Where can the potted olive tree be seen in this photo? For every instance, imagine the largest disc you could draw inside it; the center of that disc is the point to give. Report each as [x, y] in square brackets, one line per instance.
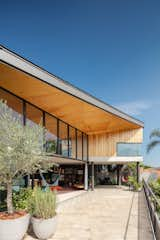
[21, 153]
[42, 207]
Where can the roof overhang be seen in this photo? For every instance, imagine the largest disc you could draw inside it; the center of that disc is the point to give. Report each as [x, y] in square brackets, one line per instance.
[60, 98]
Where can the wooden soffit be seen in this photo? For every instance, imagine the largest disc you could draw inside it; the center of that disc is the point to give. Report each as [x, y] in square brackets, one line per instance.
[76, 112]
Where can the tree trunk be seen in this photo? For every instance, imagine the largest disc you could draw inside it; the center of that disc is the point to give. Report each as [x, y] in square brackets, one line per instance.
[9, 198]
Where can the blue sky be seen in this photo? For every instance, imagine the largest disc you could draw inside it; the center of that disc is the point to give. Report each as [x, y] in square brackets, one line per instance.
[110, 48]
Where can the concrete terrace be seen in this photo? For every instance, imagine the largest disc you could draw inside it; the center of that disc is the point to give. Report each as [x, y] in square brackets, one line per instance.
[106, 213]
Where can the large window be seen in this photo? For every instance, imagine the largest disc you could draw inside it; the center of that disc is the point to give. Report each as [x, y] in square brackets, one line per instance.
[14, 103]
[129, 149]
[85, 147]
[72, 142]
[51, 134]
[60, 137]
[79, 144]
[33, 115]
[63, 139]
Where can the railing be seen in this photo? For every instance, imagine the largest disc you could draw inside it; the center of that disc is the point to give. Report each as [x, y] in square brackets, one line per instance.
[154, 209]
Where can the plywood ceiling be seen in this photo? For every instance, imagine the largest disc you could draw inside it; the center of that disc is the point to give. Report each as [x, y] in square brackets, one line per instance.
[70, 109]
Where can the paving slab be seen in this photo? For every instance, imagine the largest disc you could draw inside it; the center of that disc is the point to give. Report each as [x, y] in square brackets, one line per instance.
[103, 214]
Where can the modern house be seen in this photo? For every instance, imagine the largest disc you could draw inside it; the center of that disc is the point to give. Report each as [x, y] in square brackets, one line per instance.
[86, 136]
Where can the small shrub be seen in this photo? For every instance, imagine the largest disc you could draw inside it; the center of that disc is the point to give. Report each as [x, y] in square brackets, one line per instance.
[158, 180]
[43, 203]
[21, 198]
[133, 182]
[155, 186]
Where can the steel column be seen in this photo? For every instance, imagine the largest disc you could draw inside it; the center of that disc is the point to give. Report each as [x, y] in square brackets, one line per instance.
[86, 176]
[92, 177]
[137, 167]
[117, 174]
[24, 112]
[68, 139]
[76, 144]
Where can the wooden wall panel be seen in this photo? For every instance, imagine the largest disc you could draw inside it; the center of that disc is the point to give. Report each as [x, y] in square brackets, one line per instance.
[105, 144]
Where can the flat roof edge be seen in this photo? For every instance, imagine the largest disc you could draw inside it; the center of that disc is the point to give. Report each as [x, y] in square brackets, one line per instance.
[26, 66]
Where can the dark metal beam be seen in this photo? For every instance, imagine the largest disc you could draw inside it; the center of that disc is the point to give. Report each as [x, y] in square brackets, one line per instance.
[32, 182]
[24, 112]
[92, 176]
[82, 147]
[68, 139]
[76, 144]
[44, 119]
[57, 150]
[118, 174]
[87, 148]
[137, 167]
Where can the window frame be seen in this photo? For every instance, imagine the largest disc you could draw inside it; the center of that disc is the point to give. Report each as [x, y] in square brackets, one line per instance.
[43, 117]
[128, 143]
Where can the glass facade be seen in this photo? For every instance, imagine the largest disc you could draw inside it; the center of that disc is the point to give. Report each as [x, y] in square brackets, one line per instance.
[51, 134]
[129, 149]
[33, 115]
[61, 138]
[13, 102]
[72, 142]
[79, 145]
[85, 146]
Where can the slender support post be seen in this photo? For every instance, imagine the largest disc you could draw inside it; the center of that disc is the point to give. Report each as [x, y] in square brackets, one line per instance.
[44, 119]
[24, 124]
[24, 113]
[117, 174]
[57, 150]
[68, 139]
[92, 179]
[137, 166]
[86, 176]
[87, 148]
[82, 146]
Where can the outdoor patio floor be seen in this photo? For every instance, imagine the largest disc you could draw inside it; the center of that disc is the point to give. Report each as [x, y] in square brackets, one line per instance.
[106, 213]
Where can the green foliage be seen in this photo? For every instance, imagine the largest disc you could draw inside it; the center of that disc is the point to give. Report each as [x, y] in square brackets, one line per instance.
[21, 149]
[158, 181]
[21, 198]
[132, 169]
[133, 182]
[155, 136]
[50, 146]
[43, 203]
[155, 186]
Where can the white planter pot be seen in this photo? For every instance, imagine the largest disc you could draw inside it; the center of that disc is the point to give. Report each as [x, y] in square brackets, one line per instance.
[14, 229]
[44, 228]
